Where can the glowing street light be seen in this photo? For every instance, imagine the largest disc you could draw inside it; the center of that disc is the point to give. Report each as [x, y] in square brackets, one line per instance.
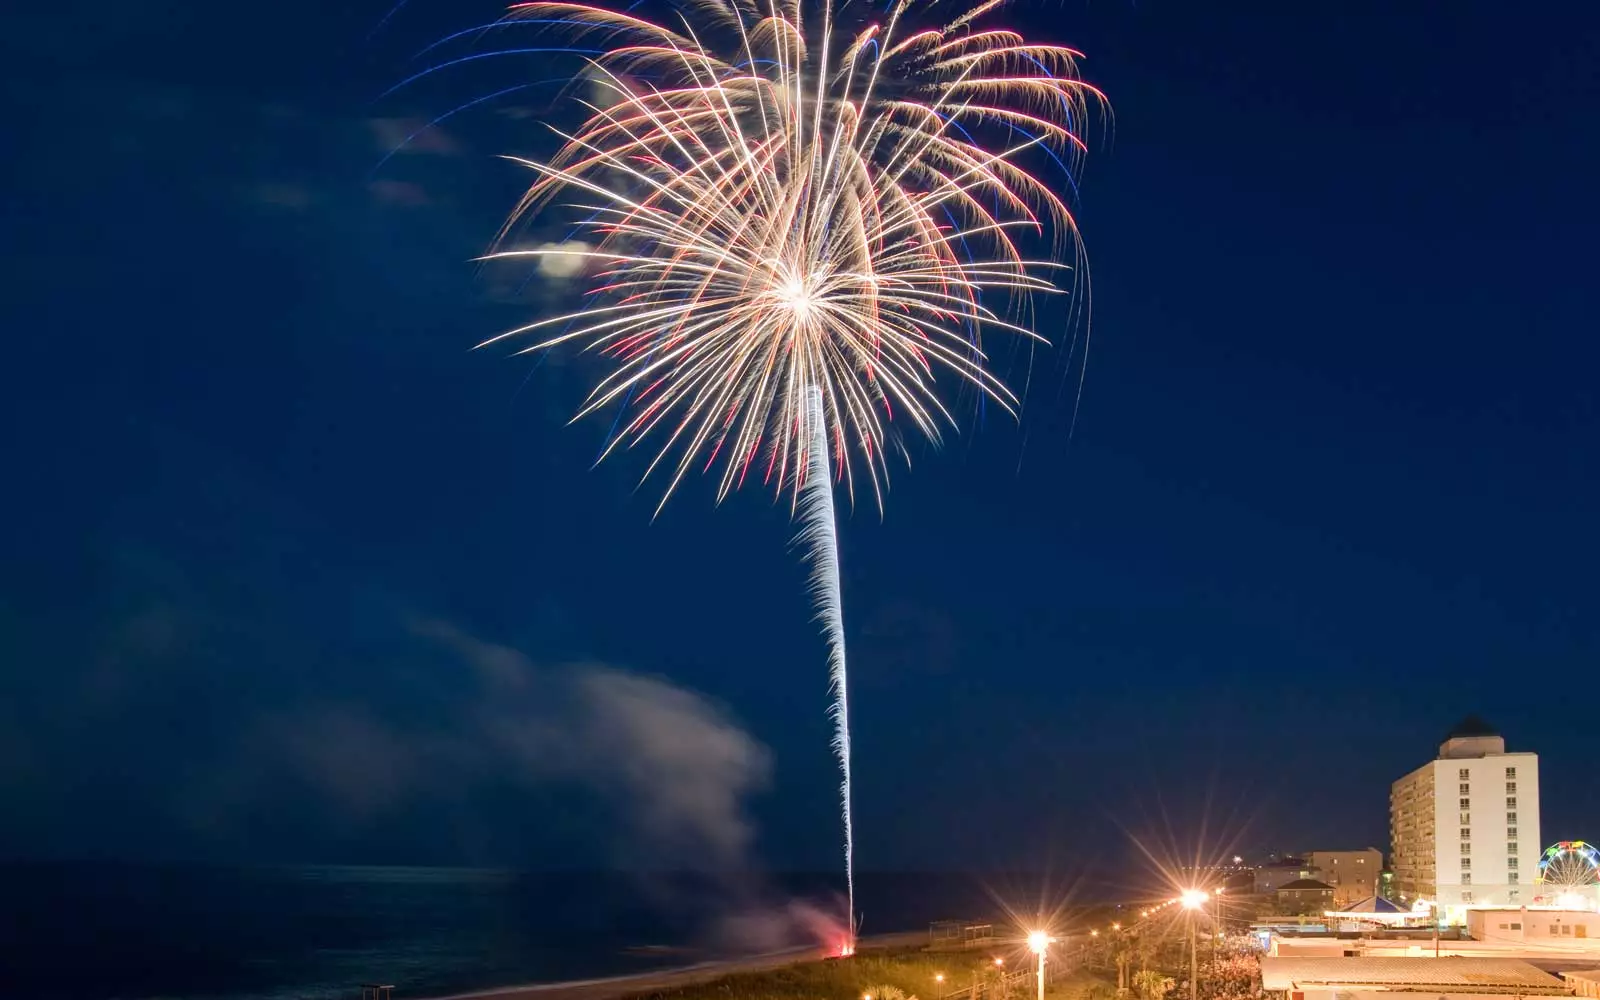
[938, 977]
[1193, 899]
[1116, 927]
[1039, 944]
[999, 962]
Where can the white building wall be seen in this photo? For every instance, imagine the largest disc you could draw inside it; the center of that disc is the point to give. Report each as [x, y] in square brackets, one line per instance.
[1534, 927]
[1497, 788]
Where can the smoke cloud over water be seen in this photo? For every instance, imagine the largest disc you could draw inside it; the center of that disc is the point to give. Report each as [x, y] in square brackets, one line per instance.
[673, 768]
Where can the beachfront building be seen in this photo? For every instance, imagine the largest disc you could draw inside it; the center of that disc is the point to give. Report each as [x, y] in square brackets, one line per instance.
[1305, 896]
[1268, 878]
[1354, 875]
[1465, 825]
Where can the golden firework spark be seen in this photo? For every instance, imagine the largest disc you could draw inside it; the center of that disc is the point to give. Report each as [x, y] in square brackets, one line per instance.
[777, 202]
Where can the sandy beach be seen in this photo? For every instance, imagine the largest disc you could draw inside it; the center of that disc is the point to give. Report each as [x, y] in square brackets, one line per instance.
[612, 987]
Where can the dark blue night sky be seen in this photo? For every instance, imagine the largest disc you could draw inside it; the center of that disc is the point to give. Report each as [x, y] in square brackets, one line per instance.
[292, 574]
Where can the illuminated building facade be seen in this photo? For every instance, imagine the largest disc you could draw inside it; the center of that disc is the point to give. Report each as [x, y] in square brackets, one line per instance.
[1352, 874]
[1465, 826]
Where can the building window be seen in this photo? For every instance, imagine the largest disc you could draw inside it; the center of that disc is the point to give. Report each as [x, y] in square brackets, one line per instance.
[1511, 803]
[1511, 818]
[1554, 930]
[1463, 774]
[1466, 818]
[1512, 895]
[1466, 849]
[1466, 897]
[1466, 833]
[1511, 788]
[1515, 926]
[1467, 803]
[1466, 863]
[1511, 848]
[1511, 772]
[1511, 833]
[1511, 877]
[1511, 863]
[1466, 789]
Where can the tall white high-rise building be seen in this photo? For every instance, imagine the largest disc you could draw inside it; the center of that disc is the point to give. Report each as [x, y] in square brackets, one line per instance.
[1465, 826]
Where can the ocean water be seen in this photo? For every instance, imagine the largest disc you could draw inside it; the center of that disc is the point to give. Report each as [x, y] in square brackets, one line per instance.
[93, 932]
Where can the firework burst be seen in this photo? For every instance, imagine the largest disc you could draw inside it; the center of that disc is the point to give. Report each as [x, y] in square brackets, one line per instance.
[777, 203]
[798, 230]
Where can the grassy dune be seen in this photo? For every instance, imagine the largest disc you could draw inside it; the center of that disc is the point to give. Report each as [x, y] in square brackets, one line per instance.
[910, 970]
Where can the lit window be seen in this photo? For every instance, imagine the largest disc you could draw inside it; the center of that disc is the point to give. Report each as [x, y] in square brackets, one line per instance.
[1466, 818]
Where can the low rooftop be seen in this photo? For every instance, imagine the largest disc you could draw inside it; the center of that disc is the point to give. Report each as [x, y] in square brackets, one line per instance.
[1421, 975]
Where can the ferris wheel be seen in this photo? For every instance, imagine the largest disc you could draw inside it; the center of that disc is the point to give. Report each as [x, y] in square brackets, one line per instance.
[1567, 868]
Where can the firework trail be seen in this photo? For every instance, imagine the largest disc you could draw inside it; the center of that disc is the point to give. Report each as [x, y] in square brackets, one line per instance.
[799, 231]
[818, 534]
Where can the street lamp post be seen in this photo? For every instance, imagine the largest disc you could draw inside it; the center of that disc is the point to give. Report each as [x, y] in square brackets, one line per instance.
[1193, 901]
[1039, 944]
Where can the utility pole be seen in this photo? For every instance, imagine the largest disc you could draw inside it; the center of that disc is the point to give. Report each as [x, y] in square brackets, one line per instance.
[1194, 956]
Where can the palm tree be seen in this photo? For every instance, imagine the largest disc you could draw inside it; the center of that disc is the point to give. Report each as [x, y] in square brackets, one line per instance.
[1124, 960]
[1152, 985]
